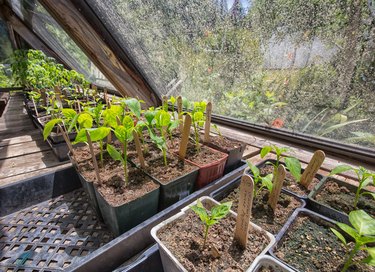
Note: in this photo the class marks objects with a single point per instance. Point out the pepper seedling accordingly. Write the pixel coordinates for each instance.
(259, 181)
(365, 178)
(198, 119)
(363, 234)
(124, 133)
(212, 217)
(292, 164)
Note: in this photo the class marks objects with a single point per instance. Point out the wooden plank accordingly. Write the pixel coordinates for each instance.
(31, 136)
(28, 163)
(12, 124)
(250, 151)
(16, 178)
(126, 80)
(22, 149)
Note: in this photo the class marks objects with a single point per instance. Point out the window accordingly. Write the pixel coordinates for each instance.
(54, 36)
(302, 66)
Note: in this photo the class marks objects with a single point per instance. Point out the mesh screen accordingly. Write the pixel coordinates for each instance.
(304, 66)
(34, 15)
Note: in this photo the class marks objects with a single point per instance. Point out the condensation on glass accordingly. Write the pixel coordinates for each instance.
(303, 66)
(33, 14)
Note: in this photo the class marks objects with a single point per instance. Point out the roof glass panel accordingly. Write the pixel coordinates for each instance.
(34, 14)
(303, 66)
(5, 43)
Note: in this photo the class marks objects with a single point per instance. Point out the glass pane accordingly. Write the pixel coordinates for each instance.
(54, 36)
(303, 66)
(5, 44)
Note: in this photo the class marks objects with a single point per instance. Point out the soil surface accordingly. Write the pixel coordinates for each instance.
(269, 269)
(341, 199)
(113, 187)
(223, 144)
(185, 239)
(290, 182)
(310, 245)
(262, 213)
(205, 156)
(175, 168)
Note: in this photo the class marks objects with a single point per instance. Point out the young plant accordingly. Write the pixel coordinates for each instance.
(365, 178)
(67, 119)
(198, 119)
(292, 164)
(124, 133)
(363, 234)
(259, 181)
(210, 218)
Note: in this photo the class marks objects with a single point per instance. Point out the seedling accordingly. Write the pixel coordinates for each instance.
(260, 182)
(124, 133)
(198, 119)
(292, 164)
(210, 218)
(365, 178)
(363, 234)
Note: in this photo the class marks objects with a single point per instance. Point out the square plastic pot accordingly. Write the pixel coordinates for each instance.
(325, 209)
(234, 155)
(169, 261)
(54, 137)
(211, 171)
(120, 219)
(176, 189)
(269, 262)
(304, 197)
(60, 150)
(287, 228)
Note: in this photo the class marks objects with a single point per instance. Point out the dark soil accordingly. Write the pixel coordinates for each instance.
(113, 187)
(290, 182)
(185, 239)
(223, 144)
(310, 245)
(205, 156)
(150, 151)
(175, 168)
(262, 213)
(341, 199)
(268, 269)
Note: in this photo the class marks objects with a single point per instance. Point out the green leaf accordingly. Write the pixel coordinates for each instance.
(150, 115)
(49, 126)
(267, 181)
(254, 169)
(112, 151)
(73, 123)
(121, 133)
(85, 120)
(220, 211)
(363, 240)
(97, 134)
(128, 122)
(362, 222)
(294, 167)
(134, 105)
(349, 230)
(339, 235)
(200, 211)
(165, 118)
(265, 150)
(69, 114)
(339, 169)
(198, 116)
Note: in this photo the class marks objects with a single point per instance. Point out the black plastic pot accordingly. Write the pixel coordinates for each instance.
(287, 227)
(304, 197)
(325, 209)
(54, 137)
(234, 155)
(176, 189)
(60, 150)
(120, 219)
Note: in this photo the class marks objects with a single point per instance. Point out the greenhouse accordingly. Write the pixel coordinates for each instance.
(187, 135)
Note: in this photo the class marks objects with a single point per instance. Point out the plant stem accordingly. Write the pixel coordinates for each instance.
(205, 235)
(349, 260)
(126, 163)
(165, 156)
(101, 153)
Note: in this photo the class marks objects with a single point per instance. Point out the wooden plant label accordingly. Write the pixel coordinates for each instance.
(93, 156)
(165, 103)
(58, 97)
(66, 138)
(78, 106)
(139, 149)
(179, 111)
(207, 124)
(44, 96)
(312, 168)
(106, 98)
(78, 89)
(278, 181)
(36, 109)
(185, 137)
(241, 232)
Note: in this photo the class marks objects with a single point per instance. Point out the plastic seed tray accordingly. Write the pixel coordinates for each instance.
(51, 235)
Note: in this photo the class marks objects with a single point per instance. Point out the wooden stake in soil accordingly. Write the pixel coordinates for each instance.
(66, 138)
(36, 109)
(241, 232)
(179, 111)
(139, 150)
(58, 97)
(78, 89)
(93, 156)
(44, 97)
(106, 97)
(278, 181)
(185, 137)
(165, 103)
(78, 106)
(207, 124)
(312, 168)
